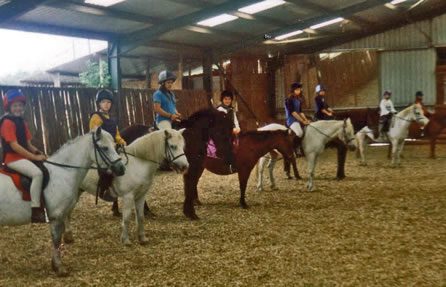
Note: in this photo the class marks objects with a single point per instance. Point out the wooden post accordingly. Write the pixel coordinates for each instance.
(207, 72)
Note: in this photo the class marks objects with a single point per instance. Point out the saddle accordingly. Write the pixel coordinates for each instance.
(23, 183)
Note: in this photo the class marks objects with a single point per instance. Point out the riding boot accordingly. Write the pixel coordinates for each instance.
(38, 215)
(298, 147)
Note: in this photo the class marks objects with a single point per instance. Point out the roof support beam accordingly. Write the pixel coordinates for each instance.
(344, 12)
(13, 9)
(144, 36)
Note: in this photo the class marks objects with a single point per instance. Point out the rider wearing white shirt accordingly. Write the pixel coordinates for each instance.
(386, 112)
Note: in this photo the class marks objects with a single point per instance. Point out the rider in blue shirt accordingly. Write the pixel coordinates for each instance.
(293, 110)
(164, 102)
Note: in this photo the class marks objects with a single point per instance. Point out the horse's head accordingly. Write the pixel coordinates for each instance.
(220, 131)
(418, 115)
(347, 134)
(104, 153)
(287, 143)
(174, 150)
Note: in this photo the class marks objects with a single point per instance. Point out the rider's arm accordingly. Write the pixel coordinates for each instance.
(299, 117)
(22, 151)
(95, 121)
(157, 108)
(119, 140)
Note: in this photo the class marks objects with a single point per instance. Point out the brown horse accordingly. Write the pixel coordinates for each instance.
(252, 145)
(435, 127)
(200, 128)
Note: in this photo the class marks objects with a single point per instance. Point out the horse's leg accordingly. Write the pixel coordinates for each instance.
(433, 141)
(399, 150)
(287, 168)
(190, 190)
(360, 137)
(394, 151)
(128, 203)
(68, 234)
(389, 150)
(295, 170)
(311, 161)
(139, 207)
(342, 155)
(260, 168)
(115, 209)
(57, 229)
(271, 165)
(243, 176)
(196, 199)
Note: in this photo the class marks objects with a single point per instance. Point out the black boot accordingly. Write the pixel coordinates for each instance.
(38, 215)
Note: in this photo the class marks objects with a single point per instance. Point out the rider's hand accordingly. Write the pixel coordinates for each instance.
(175, 117)
(40, 157)
(236, 131)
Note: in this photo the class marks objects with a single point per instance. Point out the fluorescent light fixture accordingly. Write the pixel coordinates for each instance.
(217, 20)
(104, 3)
(261, 6)
(394, 2)
(326, 23)
(287, 35)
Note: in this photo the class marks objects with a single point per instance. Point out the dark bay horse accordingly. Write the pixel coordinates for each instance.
(252, 145)
(200, 128)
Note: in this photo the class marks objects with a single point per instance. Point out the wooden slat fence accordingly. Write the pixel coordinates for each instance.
(56, 115)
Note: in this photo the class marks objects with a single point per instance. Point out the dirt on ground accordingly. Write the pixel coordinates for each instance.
(381, 226)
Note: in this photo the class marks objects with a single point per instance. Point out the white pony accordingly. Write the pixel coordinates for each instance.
(144, 157)
(68, 167)
(397, 133)
(316, 136)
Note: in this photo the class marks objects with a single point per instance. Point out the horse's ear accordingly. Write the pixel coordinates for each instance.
(182, 130)
(98, 132)
(167, 134)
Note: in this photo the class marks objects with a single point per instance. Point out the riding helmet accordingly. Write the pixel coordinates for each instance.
(295, 86)
(166, 76)
(319, 88)
(12, 96)
(419, 94)
(104, 94)
(387, 92)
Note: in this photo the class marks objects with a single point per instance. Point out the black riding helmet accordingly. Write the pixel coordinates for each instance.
(104, 94)
(419, 94)
(166, 76)
(295, 86)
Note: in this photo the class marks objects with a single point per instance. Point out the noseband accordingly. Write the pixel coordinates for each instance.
(103, 155)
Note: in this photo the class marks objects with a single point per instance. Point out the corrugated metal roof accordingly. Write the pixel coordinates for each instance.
(405, 72)
(439, 30)
(66, 18)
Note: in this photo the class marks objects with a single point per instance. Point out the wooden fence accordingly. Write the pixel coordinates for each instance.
(56, 115)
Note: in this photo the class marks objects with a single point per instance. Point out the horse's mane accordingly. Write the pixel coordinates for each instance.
(203, 113)
(148, 146)
(406, 111)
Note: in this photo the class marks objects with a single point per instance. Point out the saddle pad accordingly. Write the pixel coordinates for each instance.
(17, 180)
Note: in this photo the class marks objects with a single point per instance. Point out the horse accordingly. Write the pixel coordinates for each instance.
(397, 133)
(67, 168)
(317, 136)
(143, 158)
(200, 127)
(251, 146)
(436, 125)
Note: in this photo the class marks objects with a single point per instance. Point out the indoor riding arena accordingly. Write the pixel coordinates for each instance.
(225, 143)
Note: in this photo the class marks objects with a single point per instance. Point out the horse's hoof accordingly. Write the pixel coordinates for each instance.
(340, 177)
(259, 189)
(274, 188)
(126, 242)
(68, 238)
(244, 205)
(298, 177)
(197, 202)
(60, 271)
(143, 241)
(117, 213)
(362, 164)
(191, 215)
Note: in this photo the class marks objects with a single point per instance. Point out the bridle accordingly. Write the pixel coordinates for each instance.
(344, 132)
(169, 156)
(97, 151)
(418, 116)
